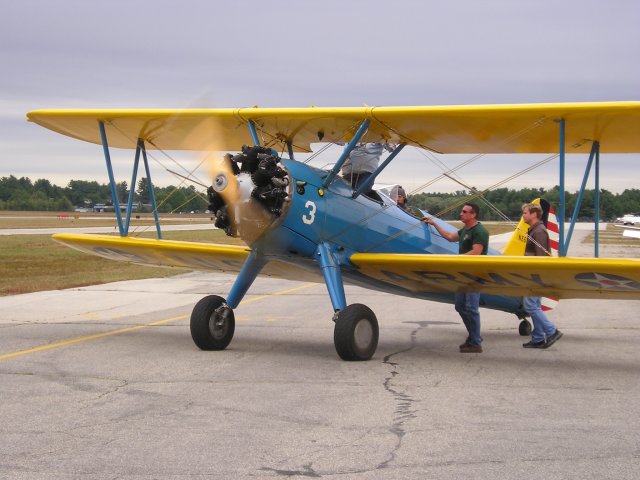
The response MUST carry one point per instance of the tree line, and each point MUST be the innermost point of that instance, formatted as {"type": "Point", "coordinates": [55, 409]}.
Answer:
{"type": "Point", "coordinates": [503, 201]}
{"type": "Point", "coordinates": [41, 195]}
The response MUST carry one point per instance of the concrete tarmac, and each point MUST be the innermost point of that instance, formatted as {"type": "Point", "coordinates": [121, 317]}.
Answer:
{"type": "Point", "coordinates": [104, 382]}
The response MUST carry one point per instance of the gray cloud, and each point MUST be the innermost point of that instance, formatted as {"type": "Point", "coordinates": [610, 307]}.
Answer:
{"type": "Point", "coordinates": [298, 53]}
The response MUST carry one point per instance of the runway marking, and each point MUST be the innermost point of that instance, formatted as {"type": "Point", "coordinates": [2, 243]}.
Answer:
{"type": "Point", "coordinates": [73, 341]}
{"type": "Point", "coordinates": [283, 292]}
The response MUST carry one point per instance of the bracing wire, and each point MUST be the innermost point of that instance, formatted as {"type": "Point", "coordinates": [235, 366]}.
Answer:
{"type": "Point", "coordinates": [506, 141]}
{"type": "Point", "coordinates": [476, 195]}
{"type": "Point", "coordinates": [190, 177]}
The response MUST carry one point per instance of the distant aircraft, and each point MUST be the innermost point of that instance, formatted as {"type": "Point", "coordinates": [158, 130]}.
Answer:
{"type": "Point", "coordinates": [305, 223]}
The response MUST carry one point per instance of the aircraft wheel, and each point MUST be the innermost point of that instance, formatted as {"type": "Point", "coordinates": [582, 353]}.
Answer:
{"type": "Point", "coordinates": [525, 328]}
{"type": "Point", "coordinates": [212, 323]}
{"type": "Point", "coordinates": [355, 335]}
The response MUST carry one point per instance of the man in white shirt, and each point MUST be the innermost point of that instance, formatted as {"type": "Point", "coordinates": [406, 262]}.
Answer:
{"type": "Point", "coordinates": [362, 162]}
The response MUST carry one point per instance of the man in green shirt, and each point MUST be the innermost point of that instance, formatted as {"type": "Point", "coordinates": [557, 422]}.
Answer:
{"type": "Point", "coordinates": [473, 240]}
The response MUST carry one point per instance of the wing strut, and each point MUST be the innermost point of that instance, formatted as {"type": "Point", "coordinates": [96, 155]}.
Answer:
{"type": "Point", "coordinates": [563, 245]}
{"type": "Point", "coordinates": [112, 182]}
{"type": "Point", "coordinates": [290, 149]}
{"type": "Point", "coordinates": [345, 154]}
{"type": "Point", "coordinates": [254, 132]}
{"type": "Point", "coordinates": [152, 195]}
{"type": "Point", "coordinates": [140, 148]}
{"type": "Point", "coordinates": [595, 152]}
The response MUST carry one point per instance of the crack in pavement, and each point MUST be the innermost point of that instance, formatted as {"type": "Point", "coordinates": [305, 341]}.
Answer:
{"type": "Point", "coordinates": [404, 411]}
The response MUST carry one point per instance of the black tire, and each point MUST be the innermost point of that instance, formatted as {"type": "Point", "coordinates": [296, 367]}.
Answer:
{"type": "Point", "coordinates": [525, 328]}
{"type": "Point", "coordinates": [355, 335]}
{"type": "Point", "coordinates": [212, 327]}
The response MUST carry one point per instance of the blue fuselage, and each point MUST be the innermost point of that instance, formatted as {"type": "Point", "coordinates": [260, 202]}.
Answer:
{"type": "Point", "coordinates": [318, 215]}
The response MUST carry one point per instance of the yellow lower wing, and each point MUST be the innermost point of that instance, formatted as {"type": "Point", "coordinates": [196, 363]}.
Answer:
{"type": "Point", "coordinates": [512, 276]}
{"type": "Point", "coordinates": [168, 253]}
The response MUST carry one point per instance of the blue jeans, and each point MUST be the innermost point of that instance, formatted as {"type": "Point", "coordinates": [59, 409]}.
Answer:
{"type": "Point", "coordinates": [542, 326]}
{"type": "Point", "coordinates": [467, 305]}
{"type": "Point", "coordinates": [357, 179]}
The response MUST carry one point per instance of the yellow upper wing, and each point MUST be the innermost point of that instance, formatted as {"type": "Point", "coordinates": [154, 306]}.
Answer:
{"type": "Point", "coordinates": [168, 253]}
{"type": "Point", "coordinates": [512, 276]}
{"type": "Point", "coordinates": [526, 128]}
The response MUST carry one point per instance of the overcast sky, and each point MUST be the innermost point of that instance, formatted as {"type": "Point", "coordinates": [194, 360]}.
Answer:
{"type": "Point", "coordinates": [293, 53]}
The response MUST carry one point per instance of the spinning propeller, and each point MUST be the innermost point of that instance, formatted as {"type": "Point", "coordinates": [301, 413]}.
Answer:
{"type": "Point", "coordinates": [250, 190]}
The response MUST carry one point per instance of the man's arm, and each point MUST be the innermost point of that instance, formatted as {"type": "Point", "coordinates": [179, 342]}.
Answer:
{"type": "Point", "coordinates": [540, 241]}
{"type": "Point", "coordinates": [480, 239]}
{"type": "Point", "coordinates": [451, 236]}
{"type": "Point", "coordinates": [476, 249]}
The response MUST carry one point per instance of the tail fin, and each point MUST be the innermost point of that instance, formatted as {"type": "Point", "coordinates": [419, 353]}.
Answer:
{"type": "Point", "coordinates": [516, 244]}
{"type": "Point", "coordinates": [551, 222]}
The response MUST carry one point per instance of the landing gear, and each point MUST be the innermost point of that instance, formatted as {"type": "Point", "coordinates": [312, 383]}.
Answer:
{"type": "Point", "coordinates": [355, 335]}
{"type": "Point", "coordinates": [525, 328]}
{"type": "Point", "coordinates": [212, 323]}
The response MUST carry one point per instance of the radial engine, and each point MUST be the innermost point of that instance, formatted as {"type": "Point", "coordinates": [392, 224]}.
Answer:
{"type": "Point", "coordinates": [250, 193]}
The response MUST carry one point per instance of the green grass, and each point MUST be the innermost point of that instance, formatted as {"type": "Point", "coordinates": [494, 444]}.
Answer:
{"type": "Point", "coordinates": [31, 263]}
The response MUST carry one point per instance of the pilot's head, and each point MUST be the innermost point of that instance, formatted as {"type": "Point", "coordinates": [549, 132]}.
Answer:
{"type": "Point", "coordinates": [399, 196]}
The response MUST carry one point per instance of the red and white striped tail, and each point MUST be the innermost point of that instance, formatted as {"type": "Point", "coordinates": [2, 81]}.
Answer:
{"type": "Point", "coordinates": [553, 230]}
{"type": "Point", "coordinates": [549, 303]}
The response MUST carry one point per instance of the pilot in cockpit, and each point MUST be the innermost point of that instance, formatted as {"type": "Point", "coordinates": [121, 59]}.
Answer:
{"type": "Point", "coordinates": [399, 196]}
{"type": "Point", "coordinates": [362, 162]}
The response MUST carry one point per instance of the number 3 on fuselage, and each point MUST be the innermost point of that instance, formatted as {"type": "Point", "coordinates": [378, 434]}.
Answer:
{"type": "Point", "coordinates": [310, 217]}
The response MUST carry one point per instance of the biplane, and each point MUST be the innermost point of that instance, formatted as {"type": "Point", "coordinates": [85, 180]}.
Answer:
{"type": "Point", "coordinates": [305, 223]}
